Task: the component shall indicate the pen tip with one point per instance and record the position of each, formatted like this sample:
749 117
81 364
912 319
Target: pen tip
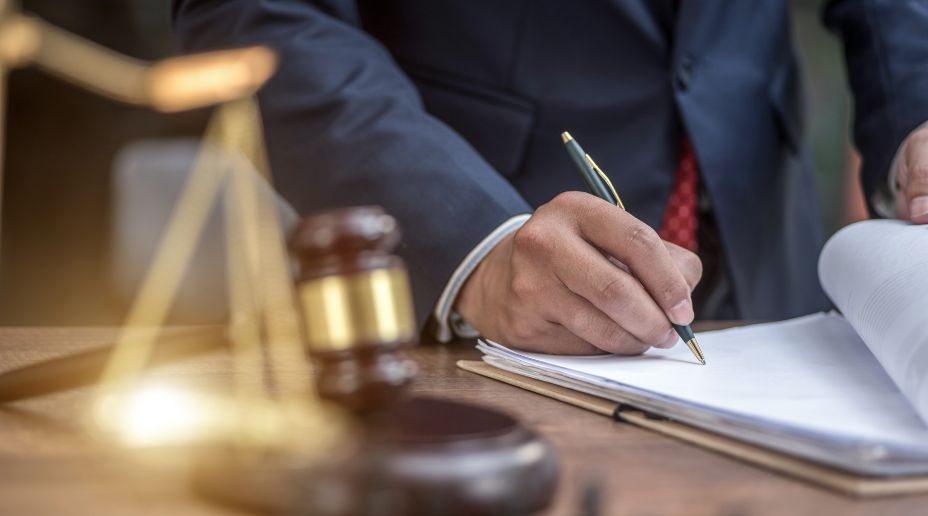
566 137
697 352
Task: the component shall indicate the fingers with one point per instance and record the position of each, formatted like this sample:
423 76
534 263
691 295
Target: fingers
610 291
549 337
688 263
584 320
913 177
636 245
581 276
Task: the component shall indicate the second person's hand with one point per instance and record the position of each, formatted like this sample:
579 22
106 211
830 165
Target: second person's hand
912 175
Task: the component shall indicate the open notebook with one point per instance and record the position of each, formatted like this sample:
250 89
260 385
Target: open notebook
847 391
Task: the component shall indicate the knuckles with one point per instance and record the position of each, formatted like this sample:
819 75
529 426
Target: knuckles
569 200
635 348
532 237
549 220
608 336
692 269
520 331
566 207
918 175
655 333
643 239
614 289
523 286
671 292
614 339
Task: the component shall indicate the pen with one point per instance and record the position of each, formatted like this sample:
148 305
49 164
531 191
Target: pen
600 186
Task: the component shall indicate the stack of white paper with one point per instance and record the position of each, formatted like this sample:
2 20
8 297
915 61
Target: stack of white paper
842 391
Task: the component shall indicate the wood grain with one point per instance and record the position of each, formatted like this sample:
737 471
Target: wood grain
50 465
843 482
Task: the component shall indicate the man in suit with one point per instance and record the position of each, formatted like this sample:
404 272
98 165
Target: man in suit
448 113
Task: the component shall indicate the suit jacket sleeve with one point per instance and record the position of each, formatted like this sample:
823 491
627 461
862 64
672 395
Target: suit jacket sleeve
344 126
886 47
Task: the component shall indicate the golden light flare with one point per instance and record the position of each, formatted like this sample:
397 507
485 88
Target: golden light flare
163 415
20 38
183 83
157 415
174 84
265 323
264 320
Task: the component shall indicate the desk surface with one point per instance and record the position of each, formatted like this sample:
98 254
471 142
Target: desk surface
49 465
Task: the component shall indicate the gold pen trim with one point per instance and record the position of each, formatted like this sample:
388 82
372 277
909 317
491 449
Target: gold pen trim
694 347
605 178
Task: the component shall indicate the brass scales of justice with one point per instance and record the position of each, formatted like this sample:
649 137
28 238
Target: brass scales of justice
328 435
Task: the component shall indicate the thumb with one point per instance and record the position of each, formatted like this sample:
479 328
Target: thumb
913 179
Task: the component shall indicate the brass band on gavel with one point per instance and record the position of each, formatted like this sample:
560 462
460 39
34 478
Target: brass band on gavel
356 309
357 304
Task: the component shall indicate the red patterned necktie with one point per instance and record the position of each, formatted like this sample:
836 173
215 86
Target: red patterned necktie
679 224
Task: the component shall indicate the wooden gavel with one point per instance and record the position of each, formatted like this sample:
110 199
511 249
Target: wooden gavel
357 305
357 309
358 316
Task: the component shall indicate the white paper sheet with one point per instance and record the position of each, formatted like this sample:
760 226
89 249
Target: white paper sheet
811 374
851 392
876 273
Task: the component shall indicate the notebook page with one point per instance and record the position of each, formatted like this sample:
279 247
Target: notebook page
876 273
809 375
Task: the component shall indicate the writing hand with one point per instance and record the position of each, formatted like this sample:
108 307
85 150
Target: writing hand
551 287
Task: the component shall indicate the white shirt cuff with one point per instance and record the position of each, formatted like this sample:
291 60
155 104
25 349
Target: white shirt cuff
449 322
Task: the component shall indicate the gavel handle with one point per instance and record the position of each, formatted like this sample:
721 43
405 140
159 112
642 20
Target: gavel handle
85 368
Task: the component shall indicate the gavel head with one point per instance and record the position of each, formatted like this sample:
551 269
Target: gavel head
356 304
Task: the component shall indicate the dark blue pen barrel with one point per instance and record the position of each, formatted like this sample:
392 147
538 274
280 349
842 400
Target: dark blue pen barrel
685 332
593 182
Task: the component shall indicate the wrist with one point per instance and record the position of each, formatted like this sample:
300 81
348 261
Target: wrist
449 321
477 292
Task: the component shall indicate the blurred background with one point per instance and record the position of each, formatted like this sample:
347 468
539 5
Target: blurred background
61 144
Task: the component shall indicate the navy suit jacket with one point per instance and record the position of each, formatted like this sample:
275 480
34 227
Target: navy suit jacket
448 113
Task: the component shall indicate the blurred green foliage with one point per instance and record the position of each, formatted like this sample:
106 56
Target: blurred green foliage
828 102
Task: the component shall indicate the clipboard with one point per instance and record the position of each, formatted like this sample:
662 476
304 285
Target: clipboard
836 480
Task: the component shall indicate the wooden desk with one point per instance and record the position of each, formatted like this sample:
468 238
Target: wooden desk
48 465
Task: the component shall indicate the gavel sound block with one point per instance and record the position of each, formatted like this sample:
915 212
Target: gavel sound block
417 456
